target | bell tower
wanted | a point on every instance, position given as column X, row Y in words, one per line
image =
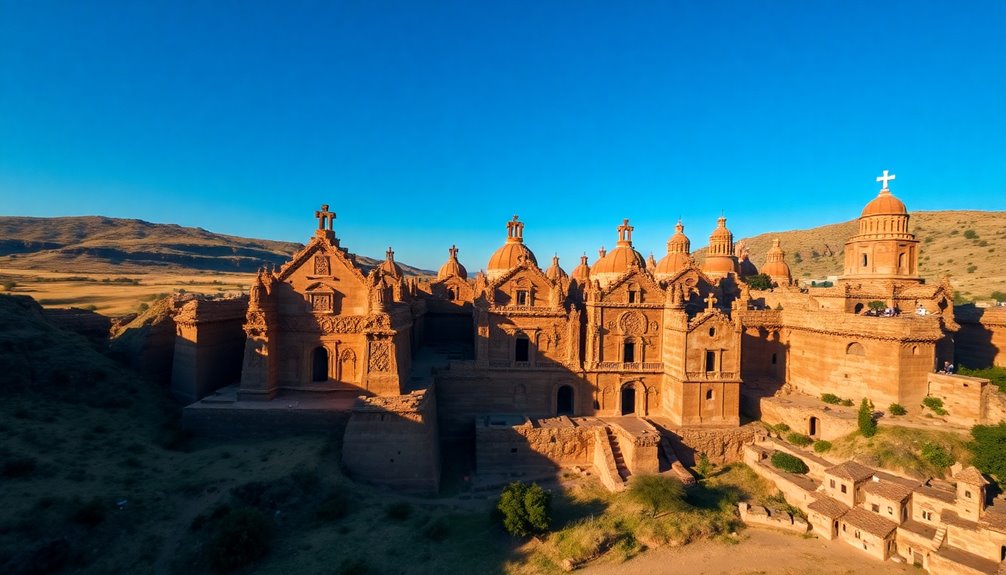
column 883, row 249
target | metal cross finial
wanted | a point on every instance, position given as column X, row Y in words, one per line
column 710, row 301
column 390, row 254
column 454, row 251
column 885, row 178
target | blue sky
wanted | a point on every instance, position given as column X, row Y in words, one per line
column 430, row 123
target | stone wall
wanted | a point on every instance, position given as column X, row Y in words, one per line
column 209, row 347
column 830, row 423
column 965, row 398
column 721, row 445
column 758, row 515
column 981, row 341
column 502, row 446
column 393, row 441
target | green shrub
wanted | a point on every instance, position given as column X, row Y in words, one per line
column 877, row 305
column 704, row 467
column 821, row 445
column 657, row 493
column 848, row 402
column 988, row 450
column 971, row 234
column 242, row 537
column 799, row 439
column 759, row 281
column 937, row 455
column 897, row 409
column 867, row 426
column 399, row 511
column 525, row 509
column 935, row 404
column 782, row 427
column 786, row 462
column 999, row 295
column 997, row 375
column 831, row 398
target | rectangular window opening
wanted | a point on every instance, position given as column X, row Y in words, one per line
column 710, row 361
column 629, row 352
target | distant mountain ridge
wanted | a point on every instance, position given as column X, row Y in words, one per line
column 967, row 245
column 98, row 244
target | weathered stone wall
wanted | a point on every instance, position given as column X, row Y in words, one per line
column 503, row 447
column 981, row 341
column 223, row 420
column 720, row 444
column 758, row 515
column 829, row 423
column 393, row 441
column 984, row 543
column 965, row 398
column 209, row 347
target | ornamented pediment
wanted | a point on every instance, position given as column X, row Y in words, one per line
column 639, row 277
column 320, row 254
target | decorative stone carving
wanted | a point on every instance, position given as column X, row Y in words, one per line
column 321, row 302
column 632, row 323
column 380, row 352
column 322, row 266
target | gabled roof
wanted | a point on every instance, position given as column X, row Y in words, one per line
column 870, row 522
column 642, row 276
column 830, row 508
column 317, row 244
column 971, row 476
column 888, row 490
column 851, row 470
column 530, row 267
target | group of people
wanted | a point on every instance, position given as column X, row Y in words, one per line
column 948, row 368
column 887, row 312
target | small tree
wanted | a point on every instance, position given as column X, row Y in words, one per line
column 759, row 281
column 937, row 455
column 525, row 509
column 877, row 305
column 657, row 493
column 988, row 450
column 704, row 467
column 867, row 426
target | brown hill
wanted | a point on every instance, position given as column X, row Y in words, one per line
column 967, row 245
column 95, row 244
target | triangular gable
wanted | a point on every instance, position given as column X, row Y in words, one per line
column 319, row 245
column 707, row 316
column 533, row 270
column 690, row 272
column 642, row 278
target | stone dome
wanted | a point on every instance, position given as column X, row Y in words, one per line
column 555, row 272
column 510, row 254
column 619, row 260
column 452, row 267
column 720, row 258
column 677, row 258
column 775, row 265
column 389, row 267
column 884, row 204
column 581, row 273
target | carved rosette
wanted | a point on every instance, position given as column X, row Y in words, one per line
column 632, row 323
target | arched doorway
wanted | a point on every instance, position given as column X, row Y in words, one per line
column 629, row 400
column 319, row 364
column 564, row 400
column 813, row 426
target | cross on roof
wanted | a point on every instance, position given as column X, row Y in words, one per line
column 625, row 231
column 710, row 301
column 390, row 253
column 454, row 251
column 885, row 178
column 325, row 218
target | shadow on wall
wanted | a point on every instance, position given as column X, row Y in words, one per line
column 976, row 345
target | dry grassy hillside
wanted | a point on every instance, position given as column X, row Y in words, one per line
column 95, row 244
column 966, row 245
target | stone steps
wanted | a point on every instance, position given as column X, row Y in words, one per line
column 623, row 469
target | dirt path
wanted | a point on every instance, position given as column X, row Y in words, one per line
column 761, row 552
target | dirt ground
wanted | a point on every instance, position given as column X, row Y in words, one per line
column 760, row 552
column 111, row 297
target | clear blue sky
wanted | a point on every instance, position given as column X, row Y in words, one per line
column 430, row 123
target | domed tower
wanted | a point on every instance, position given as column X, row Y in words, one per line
column 720, row 258
column 678, row 254
column 883, row 248
column 452, row 267
column 620, row 259
column 555, row 272
column 775, row 265
column 581, row 273
column 389, row 267
column 510, row 254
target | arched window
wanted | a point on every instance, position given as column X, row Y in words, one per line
column 319, row 364
column 901, row 260
column 712, row 332
column 709, row 394
column 858, row 308
column 855, row 348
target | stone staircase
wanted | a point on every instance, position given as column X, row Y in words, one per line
column 937, row 541
column 623, row 470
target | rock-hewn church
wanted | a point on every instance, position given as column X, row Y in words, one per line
column 591, row 367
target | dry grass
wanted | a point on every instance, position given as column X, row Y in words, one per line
column 900, row 449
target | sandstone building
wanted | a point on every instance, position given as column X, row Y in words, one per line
column 589, row 367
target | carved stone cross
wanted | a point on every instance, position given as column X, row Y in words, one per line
column 884, row 179
column 325, row 218
column 710, row 301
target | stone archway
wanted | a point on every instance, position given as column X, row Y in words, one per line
column 813, row 426
column 564, row 400
column 319, row 364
